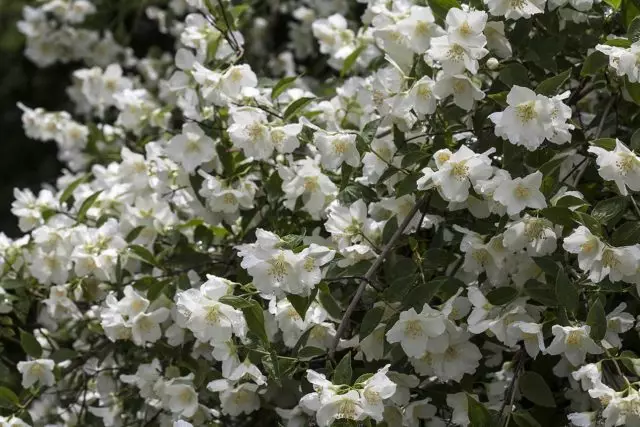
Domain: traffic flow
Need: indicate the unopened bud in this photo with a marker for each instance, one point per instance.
(492, 63)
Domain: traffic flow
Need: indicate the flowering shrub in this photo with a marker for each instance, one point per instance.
(394, 213)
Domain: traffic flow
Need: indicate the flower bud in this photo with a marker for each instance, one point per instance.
(492, 63)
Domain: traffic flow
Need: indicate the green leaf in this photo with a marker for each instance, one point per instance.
(68, 192)
(606, 210)
(626, 234)
(566, 292)
(588, 221)
(143, 254)
(63, 354)
(440, 8)
(606, 143)
(369, 131)
(296, 106)
(515, 74)
(615, 4)
(633, 89)
(346, 173)
(236, 302)
(307, 353)
(255, 321)
(502, 296)
(534, 388)
(30, 344)
(634, 143)
(301, 304)
(594, 63)
(525, 419)
(423, 293)
(597, 320)
(407, 185)
(86, 205)
(436, 258)
(328, 302)
(282, 85)
(133, 234)
(633, 32)
(9, 396)
(389, 229)
(370, 321)
(350, 60)
(478, 414)
(550, 86)
(559, 215)
(570, 202)
(343, 372)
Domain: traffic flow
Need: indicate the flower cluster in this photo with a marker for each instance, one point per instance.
(383, 212)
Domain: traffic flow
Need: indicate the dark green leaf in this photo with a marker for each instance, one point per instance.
(86, 205)
(133, 234)
(301, 304)
(369, 131)
(525, 419)
(350, 60)
(590, 222)
(502, 296)
(441, 7)
(597, 320)
(559, 215)
(370, 321)
(606, 143)
(389, 229)
(255, 321)
(436, 258)
(634, 143)
(9, 396)
(570, 201)
(606, 210)
(236, 302)
(343, 372)
(143, 254)
(423, 293)
(282, 85)
(63, 354)
(478, 414)
(633, 89)
(515, 74)
(296, 106)
(534, 388)
(633, 32)
(30, 345)
(551, 86)
(307, 353)
(328, 302)
(627, 234)
(566, 292)
(68, 192)
(594, 63)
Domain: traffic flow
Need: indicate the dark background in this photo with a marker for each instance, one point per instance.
(23, 162)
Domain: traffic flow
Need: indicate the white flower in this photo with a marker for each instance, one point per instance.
(621, 166)
(455, 57)
(573, 342)
(530, 334)
(511, 9)
(236, 399)
(146, 326)
(375, 390)
(459, 171)
(617, 263)
(250, 132)
(584, 243)
(191, 148)
(337, 149)
(618, 322)
(417, 332)
(464, 91)
(183, 399)
(520, 193)
(536, 235)
(346, 406)
(422, 97)
(38, 371)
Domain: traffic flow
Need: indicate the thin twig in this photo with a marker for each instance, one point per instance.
(510, 393)
(369, 282)
(369, 274)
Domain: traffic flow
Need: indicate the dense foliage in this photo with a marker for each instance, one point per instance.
(298, 213)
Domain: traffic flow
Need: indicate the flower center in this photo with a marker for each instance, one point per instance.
(526, 111)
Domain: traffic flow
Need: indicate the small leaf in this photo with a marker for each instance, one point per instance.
(633, 89)
(566, 292)
(478, 414)
(282, 85)
(343, 372)
(588, 221)
(30, 345)
(236, 302)
(370, 321)
(502, 296)
(534, 388)
(436, 258)
(570, 202)
(627, 234)
(68, 192)
(606, 210)
(307, 353)
(389, 229)
(63, 354)
(550, 86)
(350, 60)
(301, 304)
(597, 320)
(634, 143)
(255, 321)
(9, 396)
(143, 254)
(133, 234)
(525, 419)
(296, 106)
(633, 32)
(606, 143)
(369, 131)
(440, 8)
(423, 293)
(559, 215)
(594, 63)
(86, 205)
(515, 74)
(328, 302)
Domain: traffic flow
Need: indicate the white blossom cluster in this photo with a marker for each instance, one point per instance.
(402, 216)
